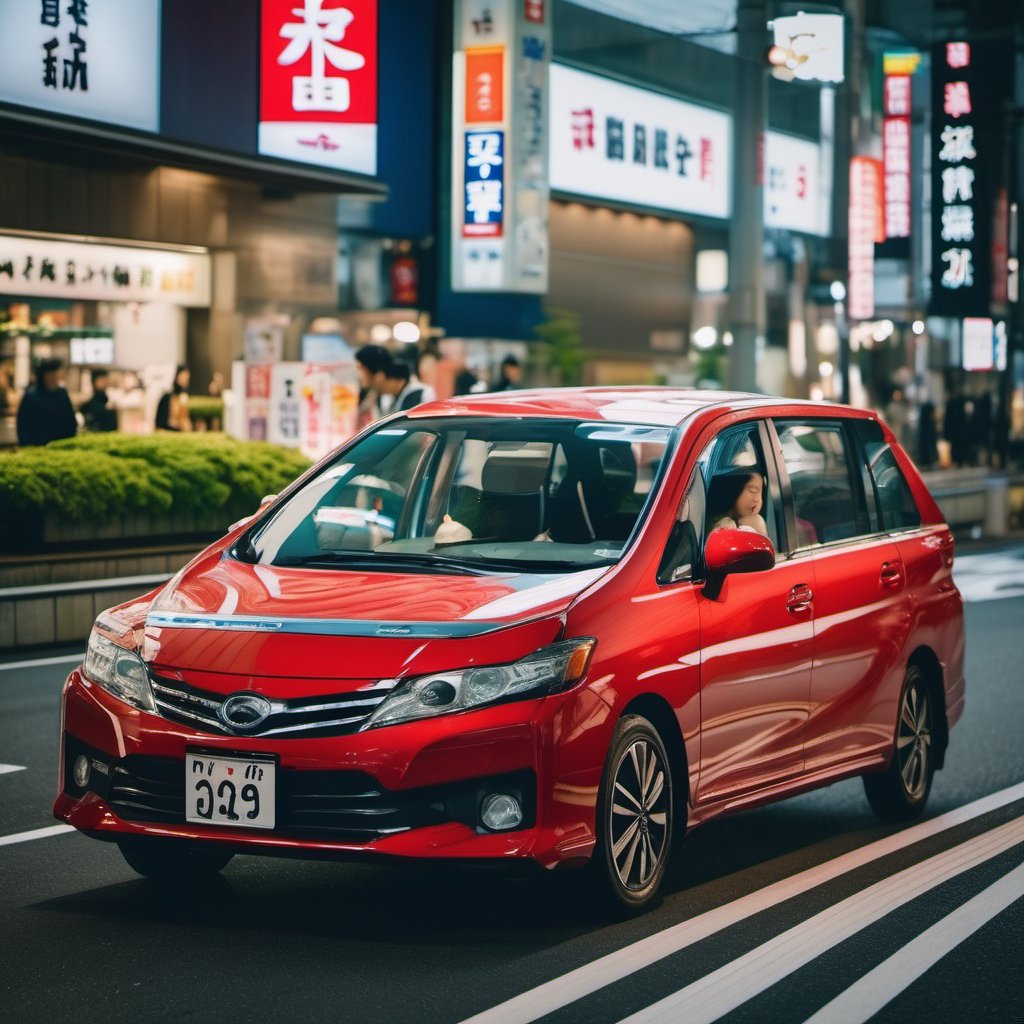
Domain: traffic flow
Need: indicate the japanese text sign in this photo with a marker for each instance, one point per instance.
(318, 82)
(83, 58)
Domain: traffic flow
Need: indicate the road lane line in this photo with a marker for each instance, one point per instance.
(36, 662)
(36, 833)
(567, 988)
(722, 991)
(5, 768)
(863, 999)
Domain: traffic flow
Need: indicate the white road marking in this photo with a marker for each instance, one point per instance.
(64, 659)
(36, 833)
(722, 991)
(867, 996)
(567, 988)
(5, 768)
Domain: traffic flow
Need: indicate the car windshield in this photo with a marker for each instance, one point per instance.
(469, 495)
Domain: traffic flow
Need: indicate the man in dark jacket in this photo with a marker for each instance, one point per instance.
(96, 410)
(45, 413)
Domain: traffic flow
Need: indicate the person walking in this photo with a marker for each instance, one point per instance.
(99, 415)
(172, 409)
(46, 413)
(510, 375)
(371, 363)
(405, 387)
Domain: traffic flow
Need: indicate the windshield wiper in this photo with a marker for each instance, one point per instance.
(382, 563)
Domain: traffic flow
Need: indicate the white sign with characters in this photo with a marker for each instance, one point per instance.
(93, 60)
(618, 142)
(39, 265)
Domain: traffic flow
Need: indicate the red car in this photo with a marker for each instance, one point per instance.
(558, 626)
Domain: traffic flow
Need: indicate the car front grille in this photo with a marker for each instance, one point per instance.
(335, 715)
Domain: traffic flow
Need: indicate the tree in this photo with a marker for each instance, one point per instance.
(561, 351)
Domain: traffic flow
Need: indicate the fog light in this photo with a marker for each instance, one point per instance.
(81, 771)
(501, 812)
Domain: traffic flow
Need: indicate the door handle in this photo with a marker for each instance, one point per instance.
(891, 575)
(800, 599)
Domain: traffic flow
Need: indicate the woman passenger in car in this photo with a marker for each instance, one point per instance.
(735, 501)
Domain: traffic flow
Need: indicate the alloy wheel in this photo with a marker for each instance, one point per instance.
(913, 741)
(638, 828)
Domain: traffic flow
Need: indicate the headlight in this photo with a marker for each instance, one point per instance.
(549, 670)
(119, 671)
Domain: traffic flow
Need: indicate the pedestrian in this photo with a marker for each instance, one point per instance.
(172, 409)
(927, 435)
(46, 413)
(510, 375)
(371, 363)
(406, 389)
(97, 411)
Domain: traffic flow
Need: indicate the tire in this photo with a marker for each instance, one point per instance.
(169, 860)
(901, 792)
(634, 817)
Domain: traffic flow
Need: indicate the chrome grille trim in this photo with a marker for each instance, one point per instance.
(182, 702)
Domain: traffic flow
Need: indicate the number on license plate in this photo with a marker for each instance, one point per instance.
(236, 791)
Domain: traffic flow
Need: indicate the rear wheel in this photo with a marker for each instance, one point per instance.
(634, 816)
(901, 793)
(170, 860)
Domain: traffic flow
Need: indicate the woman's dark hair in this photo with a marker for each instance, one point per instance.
(726, 487)
(177, 388)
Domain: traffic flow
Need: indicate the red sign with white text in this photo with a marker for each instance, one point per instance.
(485, 82)
(318, 60)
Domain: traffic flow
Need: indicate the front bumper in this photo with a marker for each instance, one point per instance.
(411, 790)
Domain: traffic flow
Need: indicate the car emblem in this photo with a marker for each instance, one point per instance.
(244, 711)
(394, 630)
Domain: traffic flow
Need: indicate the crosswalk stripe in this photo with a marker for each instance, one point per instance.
(567, 988)
(6, 768)
(722, 991)
(878, 987)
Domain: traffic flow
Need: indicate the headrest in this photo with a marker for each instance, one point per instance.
(516, 469)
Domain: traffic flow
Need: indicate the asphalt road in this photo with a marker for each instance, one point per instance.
(808, 907)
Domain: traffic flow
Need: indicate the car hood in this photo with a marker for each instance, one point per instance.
(222, 615)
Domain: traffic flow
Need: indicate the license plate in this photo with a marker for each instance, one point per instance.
(237, 791)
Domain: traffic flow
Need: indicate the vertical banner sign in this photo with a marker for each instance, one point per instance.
(502, 50)
(864, 217)
(318, 82)
(965, 119)
(896, 160)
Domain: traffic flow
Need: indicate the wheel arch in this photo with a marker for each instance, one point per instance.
(659, 713)
(924, 658)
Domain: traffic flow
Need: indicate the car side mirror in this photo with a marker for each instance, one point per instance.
(729, 551)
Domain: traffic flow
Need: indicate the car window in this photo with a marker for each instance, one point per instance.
(548, 495)
(679, 560)
(732, 464)
(894, 501)
(827, 502)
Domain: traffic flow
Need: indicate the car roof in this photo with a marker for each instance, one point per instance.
(657, 406)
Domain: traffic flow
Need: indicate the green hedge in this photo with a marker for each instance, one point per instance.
(96, 477)
(204, 407)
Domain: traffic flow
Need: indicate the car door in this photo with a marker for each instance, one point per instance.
(756, 647)
(861, 613)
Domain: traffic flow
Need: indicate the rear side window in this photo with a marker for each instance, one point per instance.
(827, 502)
(894, 500)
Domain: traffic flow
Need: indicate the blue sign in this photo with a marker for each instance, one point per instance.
(485, 184)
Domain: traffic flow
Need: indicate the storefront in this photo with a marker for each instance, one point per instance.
(98, 306)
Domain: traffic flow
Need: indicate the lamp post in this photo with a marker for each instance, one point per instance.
(746, 232)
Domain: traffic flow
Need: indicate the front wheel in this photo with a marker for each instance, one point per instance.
(900, 793)
(634, 816)
(170, 860)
